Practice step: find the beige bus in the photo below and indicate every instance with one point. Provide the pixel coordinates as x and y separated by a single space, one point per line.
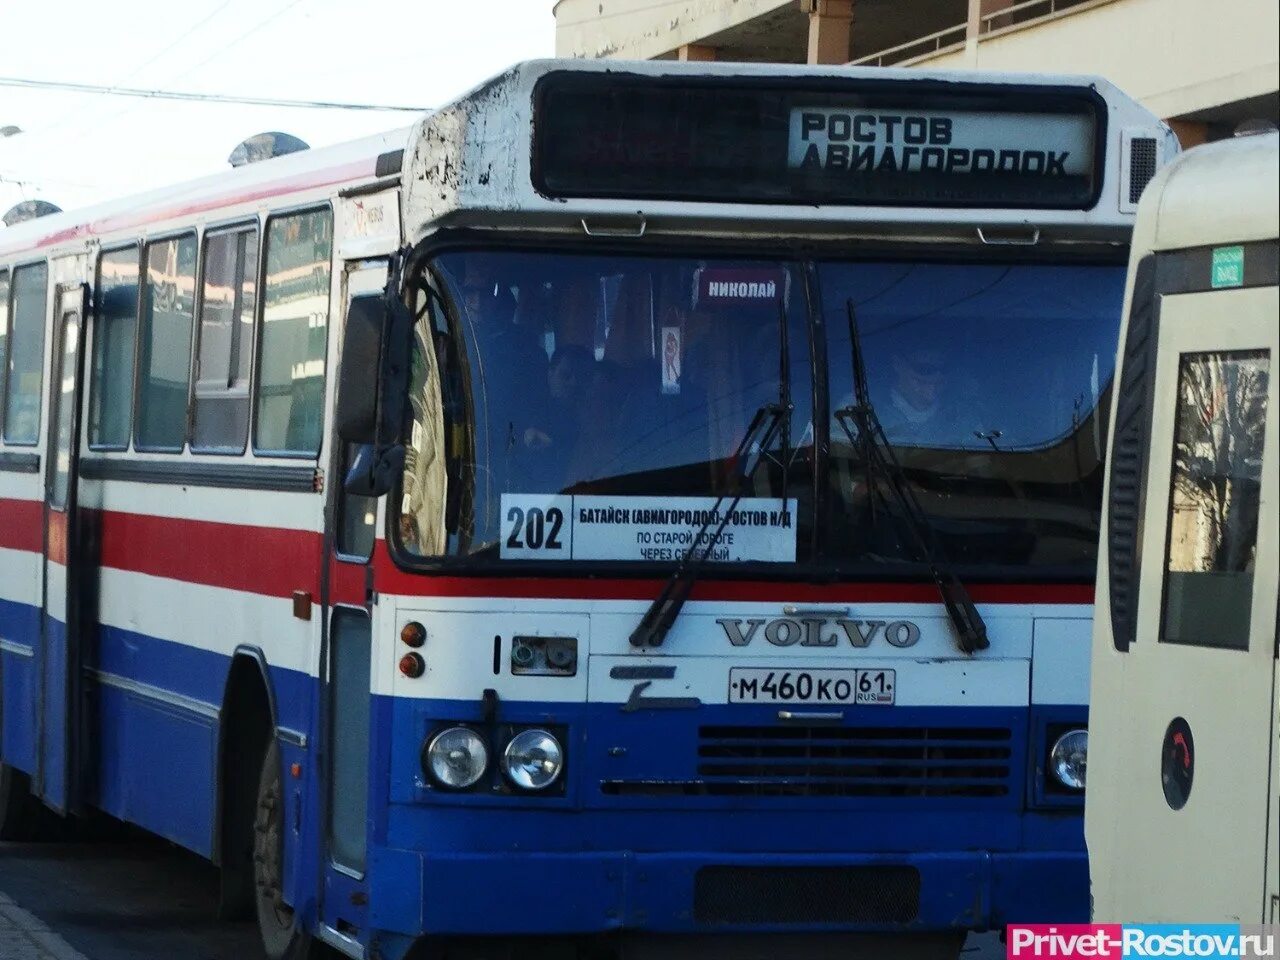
1184 779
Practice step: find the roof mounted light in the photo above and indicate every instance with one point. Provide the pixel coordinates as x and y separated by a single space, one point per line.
29 210
264 146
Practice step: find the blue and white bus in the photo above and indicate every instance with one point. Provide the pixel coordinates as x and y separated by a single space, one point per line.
651 503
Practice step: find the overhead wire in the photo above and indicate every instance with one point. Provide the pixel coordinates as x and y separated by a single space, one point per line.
175 41
73 114
193 96
270 18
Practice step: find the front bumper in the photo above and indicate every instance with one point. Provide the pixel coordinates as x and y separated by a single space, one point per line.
448 893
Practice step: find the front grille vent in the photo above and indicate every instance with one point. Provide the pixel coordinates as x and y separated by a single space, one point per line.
1142 165
826 761
746 895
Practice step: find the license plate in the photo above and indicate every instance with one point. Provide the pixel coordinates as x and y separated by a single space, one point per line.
857 687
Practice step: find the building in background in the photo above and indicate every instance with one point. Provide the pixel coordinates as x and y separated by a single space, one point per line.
1205 67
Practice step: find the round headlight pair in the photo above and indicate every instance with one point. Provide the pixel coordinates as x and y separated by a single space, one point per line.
1069 758
457 758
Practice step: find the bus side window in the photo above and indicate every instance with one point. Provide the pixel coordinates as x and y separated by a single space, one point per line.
220 404
164 356
25 362
295 319
115 331
1214 497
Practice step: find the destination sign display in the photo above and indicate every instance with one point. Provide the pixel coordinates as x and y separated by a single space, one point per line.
954 143
746 140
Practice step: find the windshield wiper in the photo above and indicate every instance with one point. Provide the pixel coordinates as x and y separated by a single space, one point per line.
769 420
657 620
879 460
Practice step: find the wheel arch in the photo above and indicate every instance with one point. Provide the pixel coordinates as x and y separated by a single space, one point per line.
248 703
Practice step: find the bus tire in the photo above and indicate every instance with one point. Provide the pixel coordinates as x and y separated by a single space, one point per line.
16 813
276 921
246 729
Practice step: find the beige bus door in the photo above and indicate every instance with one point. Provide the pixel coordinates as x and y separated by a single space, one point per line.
1201 672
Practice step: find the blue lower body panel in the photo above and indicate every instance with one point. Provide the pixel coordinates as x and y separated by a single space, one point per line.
643 837
19 683
586 893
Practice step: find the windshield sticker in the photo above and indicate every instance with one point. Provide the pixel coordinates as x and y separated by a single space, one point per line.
735 285
656 529
672 359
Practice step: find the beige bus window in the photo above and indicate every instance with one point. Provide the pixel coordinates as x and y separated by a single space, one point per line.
220 418
295 319
114 333
1214 498
26 355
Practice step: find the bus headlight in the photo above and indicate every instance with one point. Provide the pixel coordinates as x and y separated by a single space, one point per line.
456 758
533 760
1069 757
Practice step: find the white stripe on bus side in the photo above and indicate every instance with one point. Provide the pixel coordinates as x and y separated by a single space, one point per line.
254 508
208 618
20 576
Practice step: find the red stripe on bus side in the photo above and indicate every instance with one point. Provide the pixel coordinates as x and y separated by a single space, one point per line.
20 522
265 560
276 562
347 583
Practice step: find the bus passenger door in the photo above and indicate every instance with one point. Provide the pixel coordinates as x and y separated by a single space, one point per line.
61 681
348 689
1201 673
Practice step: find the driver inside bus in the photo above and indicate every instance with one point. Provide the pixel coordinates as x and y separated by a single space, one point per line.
915 412
920 403
556 412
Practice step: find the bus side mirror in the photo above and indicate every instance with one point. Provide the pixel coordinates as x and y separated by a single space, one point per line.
356 416
373 391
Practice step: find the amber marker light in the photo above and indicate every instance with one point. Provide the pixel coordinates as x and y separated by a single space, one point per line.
413 634
412 665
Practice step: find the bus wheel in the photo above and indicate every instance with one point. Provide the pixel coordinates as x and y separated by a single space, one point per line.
275 917
15 804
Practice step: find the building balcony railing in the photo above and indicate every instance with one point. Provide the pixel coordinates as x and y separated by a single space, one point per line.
1017 16
945 40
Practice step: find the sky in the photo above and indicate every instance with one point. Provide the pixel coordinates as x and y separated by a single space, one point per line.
77 149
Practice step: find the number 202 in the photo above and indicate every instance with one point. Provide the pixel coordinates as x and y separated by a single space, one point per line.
534 525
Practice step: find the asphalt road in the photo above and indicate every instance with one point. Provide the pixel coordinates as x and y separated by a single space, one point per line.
134 897
128 898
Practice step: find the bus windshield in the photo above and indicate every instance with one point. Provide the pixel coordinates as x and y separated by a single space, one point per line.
989 382
588 408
